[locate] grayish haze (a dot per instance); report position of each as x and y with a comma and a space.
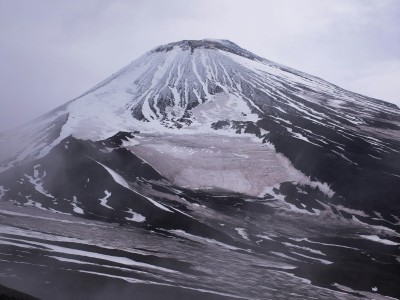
53, 50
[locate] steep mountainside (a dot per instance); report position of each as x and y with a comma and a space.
205, 144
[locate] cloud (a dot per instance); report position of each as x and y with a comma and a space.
380, 80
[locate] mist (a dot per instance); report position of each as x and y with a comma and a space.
53, 51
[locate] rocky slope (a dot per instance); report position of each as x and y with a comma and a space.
205, 144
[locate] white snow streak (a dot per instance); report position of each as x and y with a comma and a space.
377, 239
121, 181
242, 232
37, 181
103, 201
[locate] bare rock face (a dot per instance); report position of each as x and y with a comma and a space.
233, 163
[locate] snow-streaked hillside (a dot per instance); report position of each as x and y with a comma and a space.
216, 87
205, 143
191, 84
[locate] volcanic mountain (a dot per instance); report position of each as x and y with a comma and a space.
232, 162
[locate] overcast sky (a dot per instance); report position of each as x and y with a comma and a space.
53, 50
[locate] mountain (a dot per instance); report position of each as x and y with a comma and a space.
259, 181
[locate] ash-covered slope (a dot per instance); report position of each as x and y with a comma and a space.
346, 140
205, 143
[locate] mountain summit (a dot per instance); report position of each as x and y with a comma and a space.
189, 87
207, 143
224, 45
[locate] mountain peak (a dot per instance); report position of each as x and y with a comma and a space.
217, 44
204, 43
206, 149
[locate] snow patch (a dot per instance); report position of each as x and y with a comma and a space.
136, 217
3, 191
30, 202
121, 181
242, 232
266, 236
377, 239
279, 254
377, 227
37, 181
130, 142
196, 238
304, 248
352, 211
75, 206
115, 259
103, 201
324, 261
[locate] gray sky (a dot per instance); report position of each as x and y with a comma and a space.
53, 50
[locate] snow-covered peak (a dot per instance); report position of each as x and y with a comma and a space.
205, 43
216, 44
192, 84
